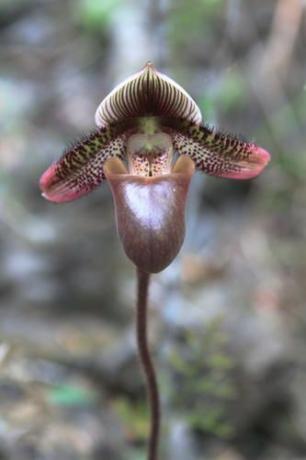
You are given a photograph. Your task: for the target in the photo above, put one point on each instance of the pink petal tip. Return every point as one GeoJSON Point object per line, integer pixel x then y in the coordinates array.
{"type": "Point", "coordinates": [252, 167]}
{"type": "Point", "coordinates": [55, 190]}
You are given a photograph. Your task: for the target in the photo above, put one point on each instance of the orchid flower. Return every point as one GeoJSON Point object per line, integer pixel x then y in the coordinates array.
{"type": "Point", "coordinates": [149, 142]}
{"type": "Point", "coordinates": [136, 121]}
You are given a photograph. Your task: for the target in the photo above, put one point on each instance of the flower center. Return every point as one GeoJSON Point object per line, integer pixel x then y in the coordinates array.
{"type": "Point", "coordinates": [149, 154]}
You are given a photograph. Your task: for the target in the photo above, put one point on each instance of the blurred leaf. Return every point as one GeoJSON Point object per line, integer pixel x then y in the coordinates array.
{"type": "Point", "coordinates": [208, 107]}
{"type": "Point", "coordinates": [202, 381]}
{"type": "Point", "coordinates": [232, 92]}
{"type": "Point", "coordinates": [196, 21]}
{"type": "Point", "coordinates": [212, 4]}
{"type": "Point", "coordinates": [136, 454]}
{"type": "Point", "coordinates": [68, 395]}
{"type": "Point", "coordinates": [97, 14]}
{"type": "Point", "coordinates": [219, 360]}
{"type": "Point", "coordinates": [181, 365]}
{"type": "Point", "coordinates": [210, 420]}
{"type": "Point", "coordinates": [135, 417]}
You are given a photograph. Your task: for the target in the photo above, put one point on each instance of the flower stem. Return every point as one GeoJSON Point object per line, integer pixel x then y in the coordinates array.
{"type": "Point", "coordinates": [143, 280]}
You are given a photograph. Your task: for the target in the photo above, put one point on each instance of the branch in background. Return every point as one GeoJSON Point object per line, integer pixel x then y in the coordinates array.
{"type": "Point", "coordinates": [284, 32]}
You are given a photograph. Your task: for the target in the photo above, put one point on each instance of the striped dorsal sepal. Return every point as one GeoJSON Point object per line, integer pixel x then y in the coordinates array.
{"type": "Point", "coordinates": [147, 93]}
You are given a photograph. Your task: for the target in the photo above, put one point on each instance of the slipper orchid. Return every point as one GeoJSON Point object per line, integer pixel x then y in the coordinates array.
{"type": "Point", "coordinates": [143, 125]}
{"type": "Point", "coordinates": [150, 140]}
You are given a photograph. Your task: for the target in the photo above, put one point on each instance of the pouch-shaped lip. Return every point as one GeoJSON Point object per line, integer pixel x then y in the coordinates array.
{"type": "Point", "coordinates": [150, 212]}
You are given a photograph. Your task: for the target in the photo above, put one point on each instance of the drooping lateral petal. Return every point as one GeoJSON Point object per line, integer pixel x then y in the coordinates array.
{"type": "Point", "coordinates": [216, 153]}
{"type": "Point", "coordinates": [147, 93]}
{"type": "Point", "coordinates": [80, 170]}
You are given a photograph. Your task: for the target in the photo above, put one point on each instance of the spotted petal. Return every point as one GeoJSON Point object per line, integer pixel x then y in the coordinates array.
{"type": "Point", "coordinates": [80, 170]}
{"type": "Point", "coordinates": [216, 153]}
{"type": "Point", "coordinates": [147, 93]}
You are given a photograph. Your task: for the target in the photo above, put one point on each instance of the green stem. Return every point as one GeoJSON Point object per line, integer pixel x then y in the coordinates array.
{"type": "Point", "coordinates": [143, 280]}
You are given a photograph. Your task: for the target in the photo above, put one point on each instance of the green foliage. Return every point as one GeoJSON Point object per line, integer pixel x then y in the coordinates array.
{"type": "Point", "coordinates": [136, 454]}
{"type": "Point", "coordinates": [207, 106]}
{"type": "Point", "coordinates": [97, 14]}
{"type": "Point", "coordinates": [284, 129]}
{"type": "Point", "coordinates": [230, 95]}
{"type": "Point", "coordinates": [188, 24]}
{"type": "Point", "coordinates": [134, 416]}
{"type": "Point", "coordinates": [211, 6]}
{"type": "Point", "coordinates": [70, 395]}
{"type": "Point", "coordinates": [202, 387]}
{"type": "Point", "coordinates": [232, 92]}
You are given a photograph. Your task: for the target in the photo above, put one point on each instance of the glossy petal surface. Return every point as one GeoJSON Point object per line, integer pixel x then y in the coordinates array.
{"type": "Point", "coordinates": [150, 212]}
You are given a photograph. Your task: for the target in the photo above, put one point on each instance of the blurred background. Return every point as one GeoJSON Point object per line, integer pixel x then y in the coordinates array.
{"type": "Point", "coordinates": [228, 317]}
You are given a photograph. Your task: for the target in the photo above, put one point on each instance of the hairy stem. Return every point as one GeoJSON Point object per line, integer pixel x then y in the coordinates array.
{"type": "Point", "coordinates": [143, 280]}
